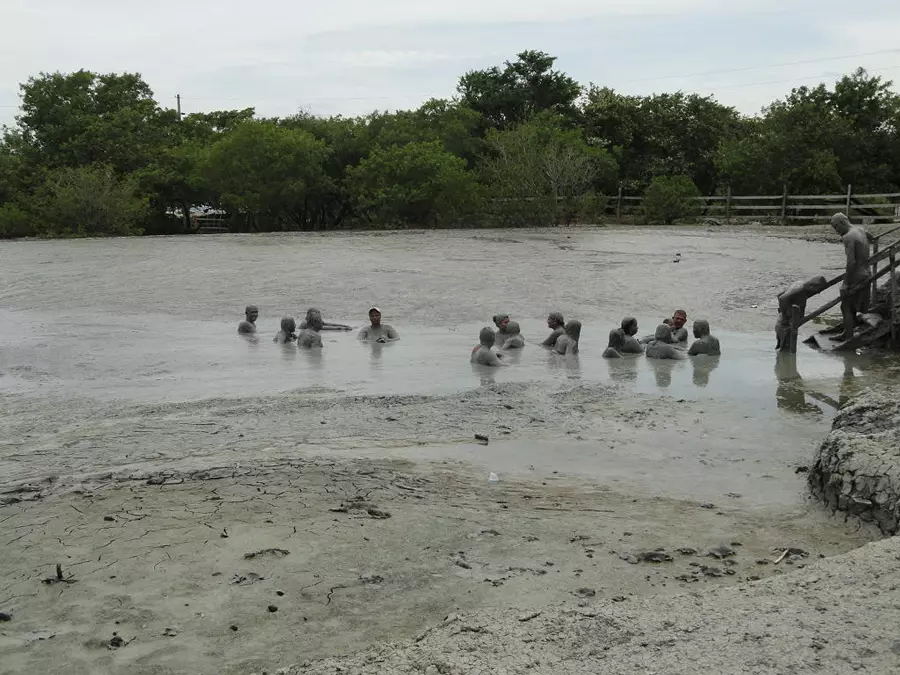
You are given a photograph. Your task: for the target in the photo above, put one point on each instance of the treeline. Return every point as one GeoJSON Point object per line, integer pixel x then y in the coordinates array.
{"type": "Point", "coordinates": [521, 144]}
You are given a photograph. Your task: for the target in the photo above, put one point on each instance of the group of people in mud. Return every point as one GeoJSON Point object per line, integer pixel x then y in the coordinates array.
{"type": "Point", "coordinates": [308, 333]}
{"type": "Point", "coordinates": [668, 342]}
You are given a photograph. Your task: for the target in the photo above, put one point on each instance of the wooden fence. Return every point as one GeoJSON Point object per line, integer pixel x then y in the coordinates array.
{"type": "Point", "coordinates": [784, 208]}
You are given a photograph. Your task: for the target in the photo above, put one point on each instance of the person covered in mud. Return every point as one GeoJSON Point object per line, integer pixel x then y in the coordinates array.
{"type": "Point", "coordinates": [661, 346]}
{"type": "Point", "coordinates": [568, 342]}
{"type": "Point", "coordinates": [248, 325]}
{"type": "Point", "coordinates": [286, 335]}
{"type": "Point", "coordinates": [796, 294]}
{"type": "Point", "coordinates": [377, 331]}
{"type": "Point", "coordinates": [705, 343]}
{"type": "Point", "coordinates": [856, 289]}
{"type": "Point", "coordinates": [311, 312]}
{"type": "Point", "coordinates": [508, 334]}
{"type": "Point", "coordinates": [515, 339]}
{"type": "Point", "coordinates": [677, 324]}
{"type": "Point", "coordinates": [309, 337]}
{"type": "Point", "coordinates": [622, 340]}
{"type": "Point", "coordinates": [557, 324]}
{"type": "Point", "coordinates": [482, 354]}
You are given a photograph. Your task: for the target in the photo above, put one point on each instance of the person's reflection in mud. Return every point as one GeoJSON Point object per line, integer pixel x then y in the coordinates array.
{"type": "Point", "coordinates": [849, 383]}
{"type": "Point", "coordinates": [790, 394]}
{"type": "Point", "coordinates": [288, 351]}
{"type": "Point", "coordinates": [314, 357]}
{"type": "Point", "coordinates": [703, 368]}
{"type": "Point", "coordinates": [623, 370]}
{"type": "Point", "coordinates": [662, 371]}
{"type": "Point", "coordinates": [486, 374]}
{"type": "Point", "coordinates": [251, 339]}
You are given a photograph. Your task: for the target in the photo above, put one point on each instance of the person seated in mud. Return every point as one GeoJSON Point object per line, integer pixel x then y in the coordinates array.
{"type": "Point", "coordinates": [312, 311]}
{"type": "Point", "coordinates": [515, 339]}
{"type": "Point", "coordinates": [482, 354]}
{"type": "Point", "coordinates": [568, 343]}
{"type": "Point", "coordinates": [796, 294]}
{"type": "Point", "coordinates": [377, 331]}
{"type": "Point", "coordinates": [662, 347]}
{"type": "Point", "coordinates": [705, 342]}
{"type": "Point", "coordinates": [557, 324]}
{"type": "Point", "coordinates": [248, 325]}
{"type": "Point", "coordinates": [286, 335]}
{"type": "Point", "coordinates": [622, 340]}
{"type": "Point", "coordinates": [676, 323]}
{"type": "Point", "coordinates": [309, 337]}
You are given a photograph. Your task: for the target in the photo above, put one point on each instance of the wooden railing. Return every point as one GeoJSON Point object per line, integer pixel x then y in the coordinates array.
{"type": "Point", "coordinates": [889, 253]}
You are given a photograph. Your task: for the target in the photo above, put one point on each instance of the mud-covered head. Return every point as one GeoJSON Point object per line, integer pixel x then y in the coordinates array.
{"type": "Point", "coordinates": [663, 333]}
{"type": "Point", "coordinates": [513, 328]}
{"type": "Point", "coordinates": [573, 330]}
{"type": "Point", "coordinates": [815, 285]}
{"type": "Point", "coordinates": [251, 312]}
{"type": "Point", "coordinates": [840, 223]}
{"type": "Point", "coordinates": [630, 325]}
{"type": "Point", "coordinates": [486, 337]}
{"type": "Point", "coordinates": [314, 319]}
{"type": "Point", "coordinates": [288, 325]}
{"type": "Point", "coordinates": [679, 318]}
{"type": "Point", "coordinates": [501, 320]}
{"type": "Point", "coordinates": [616, 339]}
{"type": "Point", "coordinates": [701, 328]}
{"type": "Point", "coordinates": [555, 320]}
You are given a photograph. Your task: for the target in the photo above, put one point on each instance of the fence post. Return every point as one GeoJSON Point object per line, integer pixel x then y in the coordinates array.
{"type": "Point", "coordinates": [796, 318]}
{"type": "Point", "coordinates": [894, 328]}
{"type": "Point", "coordinates": [849, 202]}
{"type": "Point", "coordinates": [728, 204]}
{"type": "Point", "coordinates": [784, 196]}
{"type": "Point", "coordinates": [619, 206]}
{"type": "Point", "coordinates": [874, 287]}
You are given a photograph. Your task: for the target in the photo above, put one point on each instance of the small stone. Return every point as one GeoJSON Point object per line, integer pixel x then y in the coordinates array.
{"type": "Point", "coordinates": [432, 670]}
{"type": "Point", "coordinates": [116, 642]}
{"type": "Point", "coordinates": [686, 550]}
{"type": "Point", "coordinates": [655, 557]}
{"type": "Point", "coordinates": [109, 519]}
{"type": "Point", "coordinates": [234, 628]}
{"type": "Point", "coordinates": [5, 617]}
{"type": "Point", "coordinates": [171, 631]}
{"type": "Point", "coordinates": [586, 592]}
{"type": "Point", "coordinates": [273, 608]}
{"type": "Point", "coordinates": [279, 593]}
{"type": "Point", "coordinates": [720, 552]}
{"type": "Point", "coordinates": [707, 505]}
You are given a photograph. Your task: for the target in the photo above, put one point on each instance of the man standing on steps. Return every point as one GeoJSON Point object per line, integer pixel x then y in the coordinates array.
{"type": "Point", "coordinates": [856, 248]}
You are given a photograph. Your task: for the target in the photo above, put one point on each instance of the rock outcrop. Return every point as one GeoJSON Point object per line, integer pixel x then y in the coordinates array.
{"type": "Point", "coordinates": [857, 467]}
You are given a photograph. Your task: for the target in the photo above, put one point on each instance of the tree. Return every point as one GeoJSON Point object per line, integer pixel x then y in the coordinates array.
{"type": "Point", "coordinates": [418, 184]}
{"type": "Point", "coordinates": [534, 166]}
{"type": "Point", "coordinates": [669, 198]}
{"type": "Point", "coordinates": [88, 201]}
{"type": "Point", "coordinates": [268, 175]}
{"type": "Point", "coordinates": [524, 87]}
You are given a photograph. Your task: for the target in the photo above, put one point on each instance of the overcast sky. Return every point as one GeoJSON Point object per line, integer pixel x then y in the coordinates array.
{"type": "Point", "coordinates": [354, 56]}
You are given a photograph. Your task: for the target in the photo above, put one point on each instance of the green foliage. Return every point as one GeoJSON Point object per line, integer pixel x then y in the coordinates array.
{"type": "Point", "coordinates": [88, 201]}
{"type": "Point", "coordinates": [534, 169]}
{"type": "Point", "coordinates": [269, 176]}
{"type": "Point", "coordinates": [669, 198]}
{"type": "Point", "coordinates": [523, 144]}
{"type": "Point", "coordinates": [523, 88]}
{"type": "Point", "coordinates": [417, 184]}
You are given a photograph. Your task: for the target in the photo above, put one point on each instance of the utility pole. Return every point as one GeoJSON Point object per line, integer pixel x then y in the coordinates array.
{"type": "Point", "coordinates": [178, 100]}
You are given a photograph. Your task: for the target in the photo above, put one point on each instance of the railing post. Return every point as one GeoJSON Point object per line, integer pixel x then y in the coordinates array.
{"type": "Point", "coordinates": [619, 206]}
{"type": "Point", "coordinates": [874, 271]}
{"type": "Point", "coordinates": [849, 200]}
{"type": "Point", "coordinates": [728, 204]}
{"type": "Point", "coordinates": [796, 320]}
{"type": "Point", "coordinates": [894, 328]}
{"type": "Point", "coordinates": [784, 204]}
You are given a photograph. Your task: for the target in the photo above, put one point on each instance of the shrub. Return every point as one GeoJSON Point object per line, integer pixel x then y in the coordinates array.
{"type": "Point", "coordinates": [669, 198]}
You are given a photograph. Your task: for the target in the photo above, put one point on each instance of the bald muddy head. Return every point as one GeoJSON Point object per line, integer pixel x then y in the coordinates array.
{"type": "Point", "coordinates": [573, 330]}
{"type": "Point", "coordinates": [501, 320]}
{"type": "Point", "coordinates": [512, 327]}
{"type": "Point", "coordinates": [288, 325]}
{"type": "Point", "coordinates": [252, 313]}
{"type": "Point", "coordinates": [815, 285]}
{"type": "Point", "coordinates": [663, 333]}
{"type": "Point", "coordinates": [840, 223]}
{"type": "Point", "coordinates": [701, 328]}
{"type": "Point", "coordinates": [555, 320]}
{"type": "Point", "coordinates": [486, 337]}
{"type": "Point", "coordinates": [630, 325]}
{"type": "Point", "coordinates": [679, 318]}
